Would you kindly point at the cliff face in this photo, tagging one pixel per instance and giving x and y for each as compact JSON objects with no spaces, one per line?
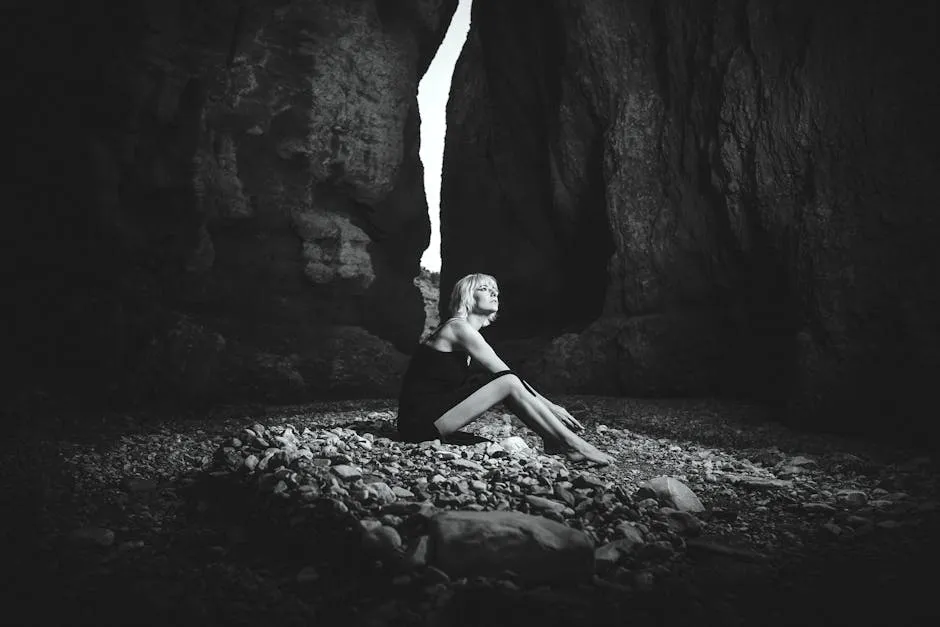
{"x":218,"y":199}
{"x":701,"y":197}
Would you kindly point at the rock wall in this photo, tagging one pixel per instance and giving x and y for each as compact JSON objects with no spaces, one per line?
{"x":217,"y":200}
{"x":737,"y":193}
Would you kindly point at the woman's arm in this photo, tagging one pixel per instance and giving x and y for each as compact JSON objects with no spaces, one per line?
{"x":560,"y":412}
{"x":480,"y":350}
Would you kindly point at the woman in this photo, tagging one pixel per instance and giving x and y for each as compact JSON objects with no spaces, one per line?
{"x":439,"y":397}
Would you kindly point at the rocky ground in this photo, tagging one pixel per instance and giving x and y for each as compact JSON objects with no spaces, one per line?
{"x":316,"y":514}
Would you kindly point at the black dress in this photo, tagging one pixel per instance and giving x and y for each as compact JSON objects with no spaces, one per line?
{"x":435,"y":382}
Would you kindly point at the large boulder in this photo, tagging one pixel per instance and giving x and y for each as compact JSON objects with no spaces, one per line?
{"x":464,"y":544}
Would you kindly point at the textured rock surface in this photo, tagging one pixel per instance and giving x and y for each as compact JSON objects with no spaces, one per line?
{"x":429,"y":284}
{"x":488,"y":543}
{"x":210,"y":193}
{"x":761,"y":168}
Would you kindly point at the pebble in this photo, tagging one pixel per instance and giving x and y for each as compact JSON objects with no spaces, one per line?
{"x":819,"y":508}
{"x":852,"y":498}
{"x":346,"y":472}
{"x":514,"y":445}
{"x":540,"y":503}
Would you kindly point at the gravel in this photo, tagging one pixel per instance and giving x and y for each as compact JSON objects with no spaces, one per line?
{"x":317,"y":513}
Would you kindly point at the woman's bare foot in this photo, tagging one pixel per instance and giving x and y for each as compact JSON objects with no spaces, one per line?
{"x":592,"y":456}
{"x":584,"y":452}
{"x":587,"y":454}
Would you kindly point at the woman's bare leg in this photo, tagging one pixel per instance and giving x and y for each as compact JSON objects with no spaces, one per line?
{"x":538,"y":417}
{"x":470,"y":408}
{"x":528,"y":408}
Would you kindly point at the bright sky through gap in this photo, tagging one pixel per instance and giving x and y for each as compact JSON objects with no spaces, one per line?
{"x":432,"y":103}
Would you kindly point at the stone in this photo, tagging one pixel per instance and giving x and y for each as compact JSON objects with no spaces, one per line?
{"x":410,"y":508}
{"x":309,"y":492}
{"x":514,"y":445}
{"x":251,"y":462}
{"x":799,"y":460}
{"x":852,"y":498}
{"x":670,"y":492}
{"x":487,"y":543}
{"x":417,"y":554}
{"x":402,"y":493}
{"x":631,"y":535}
{"x":495,"y":450}
{"x":564,"y":494}
{"x":587,"y":480}
{"x":466,"y":464}
{"x":607,"y":556}
{"x":819,"y":508}
{"x":683,"y":523}
{"x":92,"y":536}
{"x":381,"y":539}
{"x":790,"y":471}
{"x":346,"y":472}
{"x":383,"y":493}
{"x":539,"y":503}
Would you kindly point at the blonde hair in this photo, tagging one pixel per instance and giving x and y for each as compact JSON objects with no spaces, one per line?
{"x":461,"y":297}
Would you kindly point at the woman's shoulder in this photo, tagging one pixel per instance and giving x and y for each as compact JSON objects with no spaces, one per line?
{"x":452,"y":334}
{"x":456,"y":322}
{"x":457,"y":327}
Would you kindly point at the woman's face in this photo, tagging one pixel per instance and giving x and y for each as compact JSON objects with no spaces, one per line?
{"x":486,"y":297}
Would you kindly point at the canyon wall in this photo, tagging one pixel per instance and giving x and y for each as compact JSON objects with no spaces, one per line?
{"x":728,"y":197}
{"x":216,"y":200}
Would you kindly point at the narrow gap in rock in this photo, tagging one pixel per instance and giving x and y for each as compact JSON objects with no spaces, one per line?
{"x":432,"y":104}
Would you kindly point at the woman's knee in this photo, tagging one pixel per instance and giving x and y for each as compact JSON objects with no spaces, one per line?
{"x":512,"y":386}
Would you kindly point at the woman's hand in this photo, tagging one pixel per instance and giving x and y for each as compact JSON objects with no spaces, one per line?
{"x":566,"y":418}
